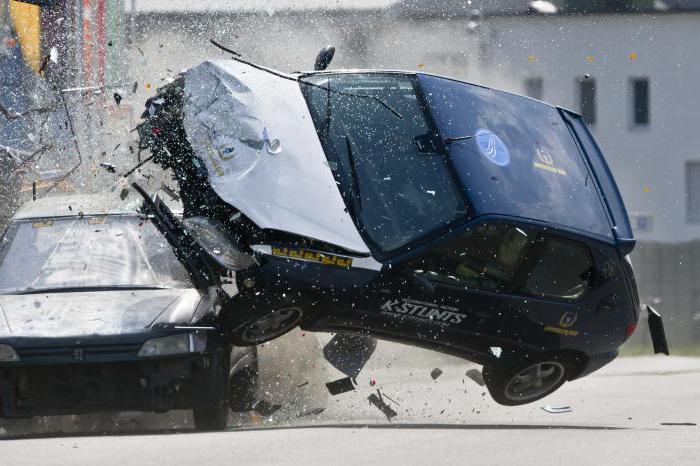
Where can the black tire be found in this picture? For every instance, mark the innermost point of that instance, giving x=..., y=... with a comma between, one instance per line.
x=210, y=404
x=522, y=382
x=212, y=417
x=257, y=331
x=243, y=381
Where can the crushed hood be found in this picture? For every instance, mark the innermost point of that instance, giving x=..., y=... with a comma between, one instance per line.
x=254, y=133
x=93, y=313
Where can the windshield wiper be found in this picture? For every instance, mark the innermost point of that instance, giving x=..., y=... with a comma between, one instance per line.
x=353, y=175
x=87, y=289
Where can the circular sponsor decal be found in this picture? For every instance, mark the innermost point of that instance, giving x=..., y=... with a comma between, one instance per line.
x=492, y=147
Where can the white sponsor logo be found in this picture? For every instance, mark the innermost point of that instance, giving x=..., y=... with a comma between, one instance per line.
x=438, y=314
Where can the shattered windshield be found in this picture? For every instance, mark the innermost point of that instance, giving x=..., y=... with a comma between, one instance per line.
x=378, y=152
x=90, y=252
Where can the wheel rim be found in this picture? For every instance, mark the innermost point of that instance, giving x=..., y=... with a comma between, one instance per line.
x=272, y=325
x=535, y=381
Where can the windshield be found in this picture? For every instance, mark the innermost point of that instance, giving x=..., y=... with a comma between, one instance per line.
x=100, y=252
x=376, y=149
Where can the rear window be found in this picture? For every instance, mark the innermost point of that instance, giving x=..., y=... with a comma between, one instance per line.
x=515, y=156
x=563, y=270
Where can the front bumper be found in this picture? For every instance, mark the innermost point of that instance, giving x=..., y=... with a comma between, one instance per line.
x=155, y=385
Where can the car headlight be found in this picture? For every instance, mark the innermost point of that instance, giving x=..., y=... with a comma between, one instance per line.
x=7, y=353
x=181, y=343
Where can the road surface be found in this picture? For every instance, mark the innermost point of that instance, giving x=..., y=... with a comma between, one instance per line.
x=640, y=410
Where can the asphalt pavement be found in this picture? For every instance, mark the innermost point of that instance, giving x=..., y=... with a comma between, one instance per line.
x=638, y=410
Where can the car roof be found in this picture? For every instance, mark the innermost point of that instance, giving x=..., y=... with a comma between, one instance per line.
x=87, y=204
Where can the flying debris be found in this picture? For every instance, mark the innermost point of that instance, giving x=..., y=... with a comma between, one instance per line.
x=376, y=400
x=339, y=386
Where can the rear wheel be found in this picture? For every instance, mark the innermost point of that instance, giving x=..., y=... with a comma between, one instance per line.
x=521, y=383
x=243, y=380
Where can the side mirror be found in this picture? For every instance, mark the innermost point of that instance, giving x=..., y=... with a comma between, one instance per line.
x=324, y=58
x=209, y=235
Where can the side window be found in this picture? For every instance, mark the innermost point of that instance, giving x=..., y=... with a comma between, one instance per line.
x=486, y=257
x=510, y=258
x=563, y=270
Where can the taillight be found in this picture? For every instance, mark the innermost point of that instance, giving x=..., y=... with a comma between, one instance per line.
x=629, y=330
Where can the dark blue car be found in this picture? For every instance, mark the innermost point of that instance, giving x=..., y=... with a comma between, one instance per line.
x=409, y=207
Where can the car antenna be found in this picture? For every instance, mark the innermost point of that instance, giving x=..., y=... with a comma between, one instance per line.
x=324, y=58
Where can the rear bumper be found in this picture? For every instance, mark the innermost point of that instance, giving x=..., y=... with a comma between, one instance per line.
x=155, y=385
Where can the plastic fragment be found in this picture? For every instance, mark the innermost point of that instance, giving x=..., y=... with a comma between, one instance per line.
x=383, y=407
x=265, y=408
x=336, y=387
x=312, y=412
x=109, y=167
x=435, y=373
x=170, y=192
x=349, y=353
x=476, y=376
x=557, y=409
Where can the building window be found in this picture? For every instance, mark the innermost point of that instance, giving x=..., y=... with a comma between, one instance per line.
x=533, y=87
x=640, y=101
x=642, y=222
x=586, y=99
x=692, y=191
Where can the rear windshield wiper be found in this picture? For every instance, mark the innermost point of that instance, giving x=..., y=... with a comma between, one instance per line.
x=87, y=289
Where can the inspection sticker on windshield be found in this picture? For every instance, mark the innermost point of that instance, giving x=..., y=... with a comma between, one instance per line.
x=492, y=147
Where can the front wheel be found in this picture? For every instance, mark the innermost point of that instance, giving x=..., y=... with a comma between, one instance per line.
x=210, y=408
x=211, y=417
x=269, y=326
x=522, y=383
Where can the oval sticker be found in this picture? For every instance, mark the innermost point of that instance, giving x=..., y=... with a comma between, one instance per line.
x=492, y=147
